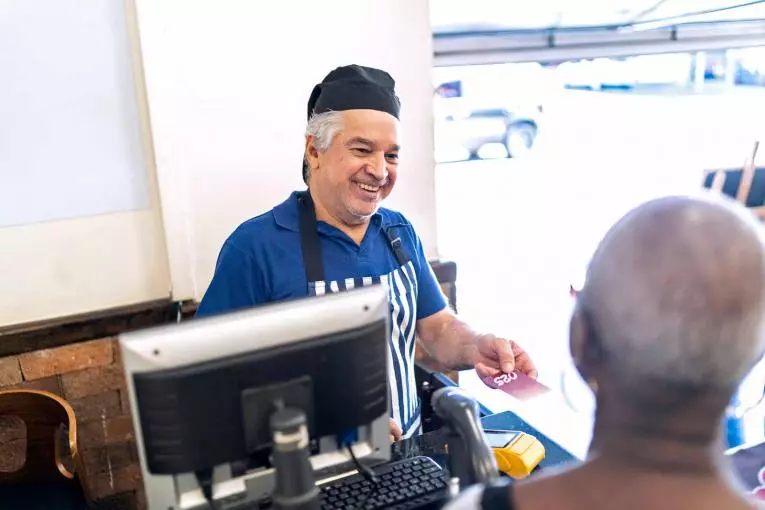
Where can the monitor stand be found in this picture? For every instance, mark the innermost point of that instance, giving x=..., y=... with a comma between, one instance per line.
x=231, y=487
x=295, y=487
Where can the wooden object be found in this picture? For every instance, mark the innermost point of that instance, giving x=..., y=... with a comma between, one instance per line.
x=743, y=190
x=51, y=454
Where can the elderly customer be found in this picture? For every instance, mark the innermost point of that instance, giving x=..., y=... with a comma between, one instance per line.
x=668, y=323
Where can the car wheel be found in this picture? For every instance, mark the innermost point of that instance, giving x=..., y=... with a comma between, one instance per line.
x=519, y=139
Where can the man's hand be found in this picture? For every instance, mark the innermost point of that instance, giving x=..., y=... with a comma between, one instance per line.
x=456, y=346
x=394, y=431
x=495, y=355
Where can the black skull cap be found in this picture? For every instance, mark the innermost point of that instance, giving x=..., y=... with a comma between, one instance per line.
x=355, y=87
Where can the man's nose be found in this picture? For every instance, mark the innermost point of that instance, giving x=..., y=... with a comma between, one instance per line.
x=378, y=168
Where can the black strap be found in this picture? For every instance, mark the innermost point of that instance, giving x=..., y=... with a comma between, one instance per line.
x=498, y=496
x=310, y=244
x=309, y=240
x=395, y=245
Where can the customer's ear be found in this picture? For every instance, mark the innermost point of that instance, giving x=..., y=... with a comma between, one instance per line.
x=580, y=344
x=583, y=344
x=577, y=338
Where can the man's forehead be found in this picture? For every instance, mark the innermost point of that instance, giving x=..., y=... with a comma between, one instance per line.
x=370, y=125
x=375, y=117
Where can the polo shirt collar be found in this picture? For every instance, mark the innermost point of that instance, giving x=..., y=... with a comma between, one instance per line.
x=287, y=214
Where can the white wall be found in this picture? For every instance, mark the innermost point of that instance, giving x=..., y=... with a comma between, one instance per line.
x=78, y=199
x=228, y=83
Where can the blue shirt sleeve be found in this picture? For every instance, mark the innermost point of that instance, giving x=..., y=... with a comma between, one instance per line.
x=430, y=297
x=238, y=283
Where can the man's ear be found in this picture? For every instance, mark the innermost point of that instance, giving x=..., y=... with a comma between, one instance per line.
x=311, y=153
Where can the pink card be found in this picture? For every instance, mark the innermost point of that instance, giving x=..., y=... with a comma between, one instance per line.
x=516, y=385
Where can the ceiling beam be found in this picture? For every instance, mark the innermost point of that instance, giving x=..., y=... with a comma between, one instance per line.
x=499, y=47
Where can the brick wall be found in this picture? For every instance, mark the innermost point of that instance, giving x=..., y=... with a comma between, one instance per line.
x=89, y=376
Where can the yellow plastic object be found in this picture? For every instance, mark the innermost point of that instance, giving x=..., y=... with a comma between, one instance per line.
x=520, y=455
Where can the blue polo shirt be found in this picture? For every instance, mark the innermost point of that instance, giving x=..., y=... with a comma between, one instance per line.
x=262, y=262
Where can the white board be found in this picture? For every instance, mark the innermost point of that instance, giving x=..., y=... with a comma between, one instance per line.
x=70, y=141
x=75, y=147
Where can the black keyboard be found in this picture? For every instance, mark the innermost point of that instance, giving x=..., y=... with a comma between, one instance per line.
x=403, y=485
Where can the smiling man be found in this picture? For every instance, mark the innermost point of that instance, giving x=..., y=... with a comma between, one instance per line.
x=335, y=236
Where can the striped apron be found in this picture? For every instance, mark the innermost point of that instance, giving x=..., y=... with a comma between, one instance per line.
x=402, y=297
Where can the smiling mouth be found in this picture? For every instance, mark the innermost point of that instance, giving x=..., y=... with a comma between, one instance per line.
x=368, y=187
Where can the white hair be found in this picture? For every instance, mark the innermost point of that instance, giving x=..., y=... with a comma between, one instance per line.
x=323, y=127
x=676, y=293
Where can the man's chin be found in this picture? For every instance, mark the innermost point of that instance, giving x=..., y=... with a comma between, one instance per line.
x=364, y=209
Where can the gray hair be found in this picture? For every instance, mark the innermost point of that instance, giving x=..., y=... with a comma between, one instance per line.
x=323, y=127
x=675, y=292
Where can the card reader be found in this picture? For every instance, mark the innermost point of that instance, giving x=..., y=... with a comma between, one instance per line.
x=517, y=453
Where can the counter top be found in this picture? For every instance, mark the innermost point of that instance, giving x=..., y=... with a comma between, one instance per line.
x=433, y=444
x=548, y=414
x=747, y=462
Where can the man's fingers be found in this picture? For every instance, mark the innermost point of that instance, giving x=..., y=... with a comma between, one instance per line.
x=505, y=355
x=524, y=365
x=484, y=370
x=394, y=430
x=523, y=362
x=500, y=355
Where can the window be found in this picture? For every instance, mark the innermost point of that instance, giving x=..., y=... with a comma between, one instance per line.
x=537, y=160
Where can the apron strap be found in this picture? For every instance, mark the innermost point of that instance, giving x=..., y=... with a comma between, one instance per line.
x=311, y=247
x=309, y=240
x=405, y=427
x=394, y=242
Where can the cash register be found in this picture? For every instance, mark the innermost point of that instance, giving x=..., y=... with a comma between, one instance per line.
x=280, y=406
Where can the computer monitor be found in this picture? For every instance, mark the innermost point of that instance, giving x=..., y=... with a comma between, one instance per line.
x=202, y=392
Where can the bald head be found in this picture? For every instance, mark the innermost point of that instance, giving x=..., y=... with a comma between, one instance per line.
x=675, y=292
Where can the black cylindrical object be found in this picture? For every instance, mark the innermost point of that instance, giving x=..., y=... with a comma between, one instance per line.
x=295, y=485
x=470, y=457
